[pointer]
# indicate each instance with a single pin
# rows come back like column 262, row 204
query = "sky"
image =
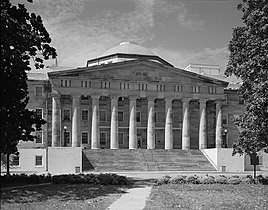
column 179, row 31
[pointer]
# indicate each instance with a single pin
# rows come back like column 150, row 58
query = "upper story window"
column 161, row 87
column 39, row 113
column 195, row 89
column 225, row 102
column 120, row 116
column 84, row 115
column 241, row 100
column 86, row 84
column 66, row 99
column 39, row 137
column 178, row 88
column 15, row 160
column 124, row 86
column 103, row 116
column 105, row 85
column 138, row 117
column 38, row 91
column 65, row 83
column 67, row 115
column 142, row 86
column 212, row 90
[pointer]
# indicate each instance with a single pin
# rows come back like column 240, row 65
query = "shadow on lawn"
column 65, row 192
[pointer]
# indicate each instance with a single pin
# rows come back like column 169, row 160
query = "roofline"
column 124, row 55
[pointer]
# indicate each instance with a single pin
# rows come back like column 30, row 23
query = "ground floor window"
column 84, row 137
column 38, row 160
column 121, row 137
column 15, row 161
column 39, row 139
column 103, row 137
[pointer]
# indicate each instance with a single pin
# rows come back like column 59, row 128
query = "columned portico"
column 168, row 124
column 185, row 124
column 56, row 118
column 150, row 125
column 218, row 124
column 95, row 130
column 114, row 123
column 76, row 121
column 132, row 123
column 202, row 124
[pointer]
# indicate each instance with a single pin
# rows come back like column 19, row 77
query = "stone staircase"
column 106, row 160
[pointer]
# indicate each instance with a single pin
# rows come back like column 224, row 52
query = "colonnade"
column 114, row 142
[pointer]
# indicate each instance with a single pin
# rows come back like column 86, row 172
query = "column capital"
column 55, row 94
column 76, row 95
column 151, row 98
column 187, row 100
column 95, row 96
column 168, row 99
column 114, row 97
column 133, row 97
column 203, row 100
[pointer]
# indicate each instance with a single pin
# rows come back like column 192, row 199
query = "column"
column 56, row 118
column 95, row 130
column 114, row 123
column 168, row 124
column 76, row 121
column 202, row 124
column 150, row 125
column 218, row 125
column 132, row 123
column 185, row 124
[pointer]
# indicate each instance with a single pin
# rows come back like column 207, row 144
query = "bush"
column 206, row 180
column 163, row 180
column 177, row 180
column 247, row 180
column 234, row 180
column 192, row 179
column 262, row 180
column 221, row 180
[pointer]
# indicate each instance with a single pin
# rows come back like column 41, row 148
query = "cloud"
column 182, row 58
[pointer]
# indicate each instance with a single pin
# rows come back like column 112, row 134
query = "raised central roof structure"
column 126, row 51
column 131, row 48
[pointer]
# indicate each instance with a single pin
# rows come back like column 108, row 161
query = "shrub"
column 221, row 180
column 163, row 180
column 207, row 180
column 177, row 180
column 247, row 180
column 234, row 180
column 192, row 179
column 262, row 180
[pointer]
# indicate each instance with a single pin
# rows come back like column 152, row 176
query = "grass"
column 53, row 196
column 213, row 196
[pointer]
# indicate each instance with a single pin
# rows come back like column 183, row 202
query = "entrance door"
column 139, row 142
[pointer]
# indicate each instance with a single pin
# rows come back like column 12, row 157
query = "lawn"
column 55, row 196
column 214, row 196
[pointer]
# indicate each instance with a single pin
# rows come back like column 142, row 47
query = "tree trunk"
column 8, row 155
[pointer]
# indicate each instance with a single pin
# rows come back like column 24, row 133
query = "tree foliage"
column 23, row 37
column 249, row 61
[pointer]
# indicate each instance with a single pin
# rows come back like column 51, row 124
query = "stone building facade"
column 130, row 98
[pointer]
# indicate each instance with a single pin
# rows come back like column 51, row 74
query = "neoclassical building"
column 130, row 98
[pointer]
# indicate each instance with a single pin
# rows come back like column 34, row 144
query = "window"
column 103, row 116
column 67, row 115
column 38, row 160
column 160, row 87
column 84, row 84
column 195, row 89
column 212, row 90
column 84, row 137
column 70, row 83
column 105, row 85
column 225, row 102
column 39, row 138
column 84, row 115
column 39, row 113
column 102, row 138
column 15, row 160
column 155, row 117
column 225, row 140
column 38, row 91
column 124, row 85
column 241, row 100
column 142, row 86
column 120, row 116
column 224, row 119
column 178, row 88
column 68, row 137
column 138, row 116
column 121, row 137
column 65, row 83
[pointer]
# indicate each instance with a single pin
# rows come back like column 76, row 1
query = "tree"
column 249, row 61
column 23, row 37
